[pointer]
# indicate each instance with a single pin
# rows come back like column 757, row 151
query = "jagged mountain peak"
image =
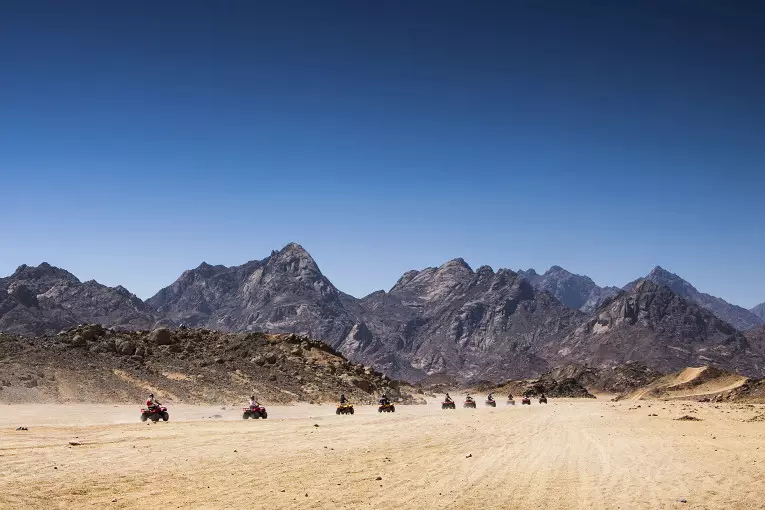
column 573, row 290
column 457, row 264
column 295, row 258
column 738, row 317
column 44, row 270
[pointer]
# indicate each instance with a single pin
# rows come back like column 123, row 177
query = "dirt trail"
column 566, row 455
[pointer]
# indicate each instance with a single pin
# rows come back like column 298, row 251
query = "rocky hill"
column 46, row 299
column 571, row 289
column 612, row 379
column 186, row 365
column 654, row 325
column 738, row 317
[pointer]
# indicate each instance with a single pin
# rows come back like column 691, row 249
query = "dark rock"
column 124, row 346
column 78, row 341
column 160, row 336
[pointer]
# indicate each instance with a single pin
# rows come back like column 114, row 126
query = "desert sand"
column 578, row 454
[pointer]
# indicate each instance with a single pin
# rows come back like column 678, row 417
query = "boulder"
column 78, row 341
column 161, row 336
column 124, row 346
column 92, row 331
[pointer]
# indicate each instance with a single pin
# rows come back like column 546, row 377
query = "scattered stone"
column 22, row 428
column 74, row 443
column 316, row 425
column 688, row 418
column 468, row 455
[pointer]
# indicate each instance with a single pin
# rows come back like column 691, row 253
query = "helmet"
column 252, row 397
column 151, row 395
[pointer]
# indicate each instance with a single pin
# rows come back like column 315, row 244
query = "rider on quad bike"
column 253, row 402
column 509, row 396
column 384, row 400
column 151, row 402
column 343, row 400
column 468, row 398
column 490, row 397
column 448, row 399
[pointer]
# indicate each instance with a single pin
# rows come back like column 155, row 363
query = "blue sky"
column 139, row 139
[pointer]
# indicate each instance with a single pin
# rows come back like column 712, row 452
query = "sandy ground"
column 569, row 454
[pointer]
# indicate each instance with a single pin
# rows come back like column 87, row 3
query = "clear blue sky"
column 138, row 139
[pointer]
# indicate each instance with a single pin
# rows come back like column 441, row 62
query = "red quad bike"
column 155, row 414
column 491, row 403
column 448, row 405
column 525, row 401
column 254, row 412
column 469, row 404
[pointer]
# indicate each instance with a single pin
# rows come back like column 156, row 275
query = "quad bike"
column 491, row 403
column 448, row 405
column 344, row 409
column 542, row 400
column 525, row 401
column 254, row 412
column 469, row 404
column 386, row 408
column 511, row 402
column 155, row 414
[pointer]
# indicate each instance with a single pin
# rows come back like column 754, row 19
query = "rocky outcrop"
column 573, row 290
column 736, row 316
column 194, row 366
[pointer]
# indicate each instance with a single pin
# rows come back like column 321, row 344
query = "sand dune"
column 570, row 454
column 689, row 382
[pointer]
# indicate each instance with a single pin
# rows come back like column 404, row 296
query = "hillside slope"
column 90, row 363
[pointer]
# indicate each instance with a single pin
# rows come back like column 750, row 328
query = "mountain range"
column 471, row 324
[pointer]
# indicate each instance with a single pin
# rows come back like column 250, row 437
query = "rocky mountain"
column 46, row 299
column 653, row 324
column 449, row 321
column 738, row 317
column 472, row 324
column 439, row 319
column 193, row 366
column 571, row 289
column 759, row 311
